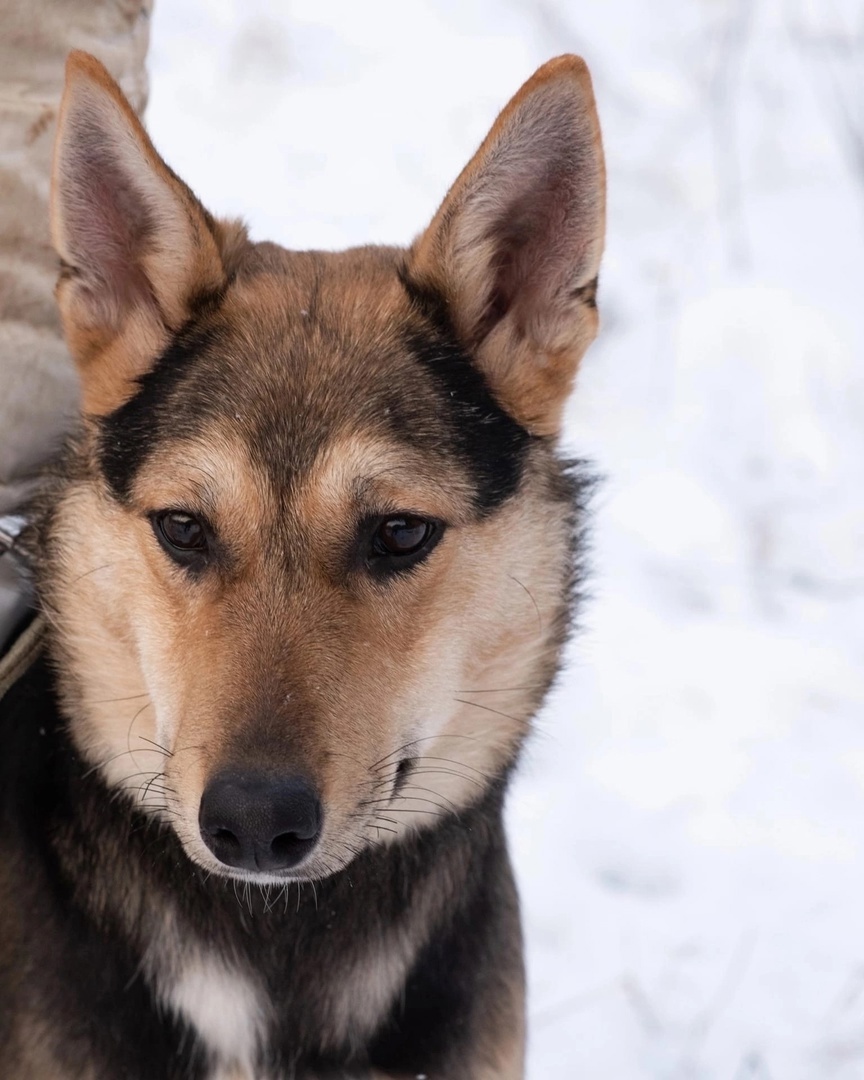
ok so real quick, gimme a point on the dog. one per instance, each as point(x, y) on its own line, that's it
point(304, 576)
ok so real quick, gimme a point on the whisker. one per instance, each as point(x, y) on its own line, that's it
point(429, 791)
point(487, 708)
point(533, 601)
point(449, 772)
point(146, 787)
point(93, 570)
point(168, 796)
point(416, 742)
point(503, 689)
point(453, 761)
point(410, 798)
point(155, 789)
point(132, 724)
point(374, 825)
point(114, 757)
point(159, 746)
point(266, 890)
point(131, 776)
point(139, 750)
point(114, 700)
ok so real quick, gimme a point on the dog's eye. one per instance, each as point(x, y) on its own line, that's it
point(400, 541)
point(182, 535)
point(401, 536)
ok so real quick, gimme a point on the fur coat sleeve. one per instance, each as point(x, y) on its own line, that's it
point(38, 392)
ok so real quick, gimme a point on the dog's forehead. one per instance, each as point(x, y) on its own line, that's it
point(307, 349)
point(321, 350)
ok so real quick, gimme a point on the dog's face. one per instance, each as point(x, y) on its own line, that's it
point(312, 573)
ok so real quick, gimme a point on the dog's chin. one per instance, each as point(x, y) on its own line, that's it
point(314, 868)
point(264, 879)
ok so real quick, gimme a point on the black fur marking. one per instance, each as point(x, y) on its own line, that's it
point(488, 440)
point(587, 293)
point(128, 435)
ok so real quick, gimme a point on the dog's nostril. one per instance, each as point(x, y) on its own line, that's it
point(284, 845)
point(255, 821)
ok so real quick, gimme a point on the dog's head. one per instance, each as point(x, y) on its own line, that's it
point(311, 567)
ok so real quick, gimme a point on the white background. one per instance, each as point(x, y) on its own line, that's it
point(688, 826)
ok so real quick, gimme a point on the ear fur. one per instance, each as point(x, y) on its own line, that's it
point(138, 250)
point(515, 248)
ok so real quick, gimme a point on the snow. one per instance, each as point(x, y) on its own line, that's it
point(688, 827)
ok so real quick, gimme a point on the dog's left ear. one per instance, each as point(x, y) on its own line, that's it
point(515, 248)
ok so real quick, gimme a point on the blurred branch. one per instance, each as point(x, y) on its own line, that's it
point(723, 109)
point(835, 54)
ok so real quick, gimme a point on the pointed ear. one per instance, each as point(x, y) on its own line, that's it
point(138, 250)
point(515, 248)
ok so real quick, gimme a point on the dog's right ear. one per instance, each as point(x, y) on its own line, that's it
point(138, 250)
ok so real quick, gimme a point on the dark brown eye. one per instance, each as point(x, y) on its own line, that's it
point(402, 536)
point(182, 535)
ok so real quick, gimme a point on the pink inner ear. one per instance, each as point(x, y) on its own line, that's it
point(531, 241)
point(538, 203)
point(105, 220)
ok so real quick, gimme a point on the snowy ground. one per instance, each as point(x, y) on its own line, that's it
point(689, 827)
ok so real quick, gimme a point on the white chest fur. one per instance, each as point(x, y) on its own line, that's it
point(227, 1011)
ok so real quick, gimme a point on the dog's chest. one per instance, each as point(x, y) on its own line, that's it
point(238, 1025)
point(226, 1010)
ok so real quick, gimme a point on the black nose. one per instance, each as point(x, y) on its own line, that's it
point(257, 821)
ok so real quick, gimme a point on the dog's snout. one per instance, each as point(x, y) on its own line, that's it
point(257, 821)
